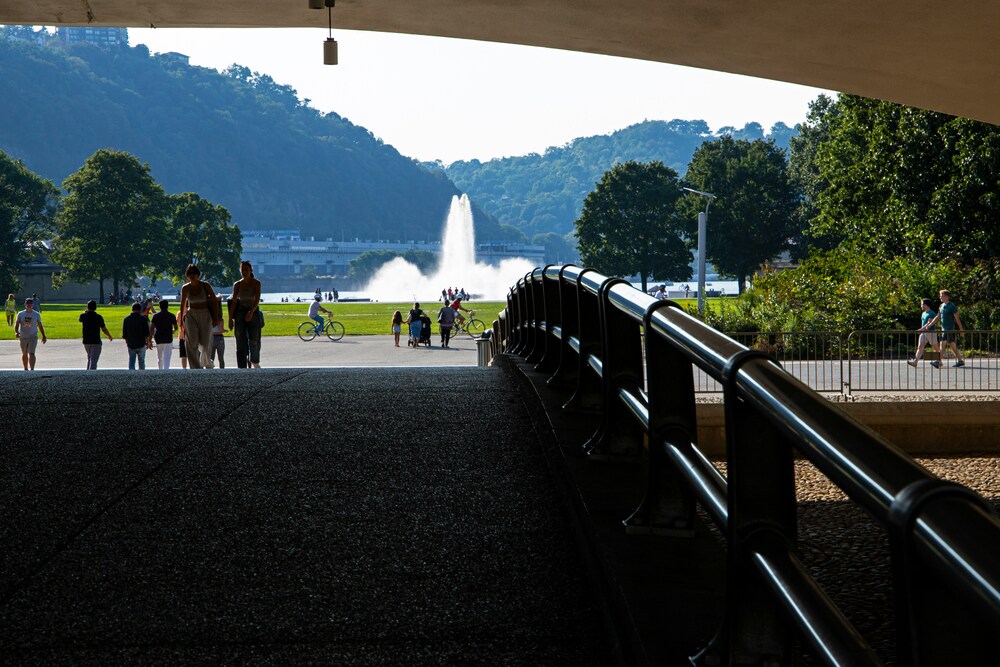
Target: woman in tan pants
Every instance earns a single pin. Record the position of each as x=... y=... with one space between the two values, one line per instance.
x=199 y=305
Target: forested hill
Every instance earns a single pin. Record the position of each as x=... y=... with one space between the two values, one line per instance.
x=236 y=138
x=545 y=193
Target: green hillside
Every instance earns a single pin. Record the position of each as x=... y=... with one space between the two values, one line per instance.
x=544 y=193
x=236 y=138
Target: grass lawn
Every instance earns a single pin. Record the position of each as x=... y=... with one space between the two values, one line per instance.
x=280 y=319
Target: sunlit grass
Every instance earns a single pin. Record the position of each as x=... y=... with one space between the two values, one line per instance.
x=280 y=319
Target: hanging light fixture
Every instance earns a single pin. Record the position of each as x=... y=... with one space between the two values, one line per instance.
x=330 y=45
x=316 y=4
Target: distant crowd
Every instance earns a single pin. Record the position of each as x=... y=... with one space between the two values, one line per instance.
x=199 y=325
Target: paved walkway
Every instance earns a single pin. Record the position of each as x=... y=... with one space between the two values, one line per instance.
x=298 y=516
x=276 y=352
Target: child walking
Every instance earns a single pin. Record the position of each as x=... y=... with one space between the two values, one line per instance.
x=397 y=325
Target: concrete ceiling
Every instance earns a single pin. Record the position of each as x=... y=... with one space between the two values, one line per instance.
x=927 y=53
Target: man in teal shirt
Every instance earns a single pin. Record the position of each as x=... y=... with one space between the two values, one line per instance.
x=950 y=324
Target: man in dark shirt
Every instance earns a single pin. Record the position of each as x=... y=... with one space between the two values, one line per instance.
x=135 y=331
x=93 y=325
x=164 y=326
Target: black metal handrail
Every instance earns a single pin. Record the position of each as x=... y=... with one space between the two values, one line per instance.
x=633 y=358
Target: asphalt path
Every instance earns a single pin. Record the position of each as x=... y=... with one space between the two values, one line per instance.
x=276 y=352
x=300 y=516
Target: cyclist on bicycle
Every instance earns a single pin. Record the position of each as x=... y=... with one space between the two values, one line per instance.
x=315 y=308
x=456 y=305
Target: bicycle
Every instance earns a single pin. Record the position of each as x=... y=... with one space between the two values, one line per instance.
x=309 y=330
x=472 y=326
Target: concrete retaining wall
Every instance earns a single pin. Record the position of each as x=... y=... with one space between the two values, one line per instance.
x=917 y=427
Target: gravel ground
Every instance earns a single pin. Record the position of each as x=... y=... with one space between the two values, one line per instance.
x=848 y=552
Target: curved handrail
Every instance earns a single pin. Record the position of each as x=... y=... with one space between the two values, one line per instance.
x=770 y=412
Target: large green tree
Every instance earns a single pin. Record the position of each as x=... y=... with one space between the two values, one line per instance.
x=27 y=208
x=112 y=221
x=899 y=181
x=804 y=171
x=630 y=224
x=199 y=231
x=752 y=220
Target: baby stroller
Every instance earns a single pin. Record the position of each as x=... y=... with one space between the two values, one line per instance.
x=425 y=330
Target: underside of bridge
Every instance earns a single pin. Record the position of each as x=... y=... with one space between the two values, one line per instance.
x=934 y=55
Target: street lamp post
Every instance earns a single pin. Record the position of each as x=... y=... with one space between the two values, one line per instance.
x=702 y=231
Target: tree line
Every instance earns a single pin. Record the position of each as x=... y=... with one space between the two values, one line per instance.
x=111 y=222
x=882 y=204
x=640 y=221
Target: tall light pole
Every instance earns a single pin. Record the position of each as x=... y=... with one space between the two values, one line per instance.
x=702 y=231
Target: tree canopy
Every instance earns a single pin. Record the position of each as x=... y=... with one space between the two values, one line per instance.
x=630 y=224
x=200 y=232
x=544 y=192
x=236 y=137
x=898 y=181
x=28 y=204
x=752 y=219
x=111 y=224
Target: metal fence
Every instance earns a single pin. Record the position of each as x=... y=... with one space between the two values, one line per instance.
x=877 y=361
x=816 y=358
x=630 y=359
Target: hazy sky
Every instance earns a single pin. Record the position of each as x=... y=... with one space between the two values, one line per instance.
x=448 y=99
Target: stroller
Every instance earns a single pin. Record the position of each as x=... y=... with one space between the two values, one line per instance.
x=425 y=331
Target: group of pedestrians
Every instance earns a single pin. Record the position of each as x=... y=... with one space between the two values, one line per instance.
x=951 y=328
x=198 y=325
x=419 y=323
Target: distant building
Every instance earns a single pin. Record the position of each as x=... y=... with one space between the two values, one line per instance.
x=176 y=57
x=107 y=37
x=283 y=253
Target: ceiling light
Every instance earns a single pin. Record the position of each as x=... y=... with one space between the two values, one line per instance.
x=330 y=45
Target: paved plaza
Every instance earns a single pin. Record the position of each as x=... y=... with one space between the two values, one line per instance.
x=276 y=352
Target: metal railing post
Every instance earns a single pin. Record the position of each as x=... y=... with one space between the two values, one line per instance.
x=587 y=395
x=621 y=353
x=521 y=333
x=568 y=368
x=549 y=359
x=536 y=344
x=762 y=515
x=668 y=504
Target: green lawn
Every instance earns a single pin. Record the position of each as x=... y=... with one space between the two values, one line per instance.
x=281 y=319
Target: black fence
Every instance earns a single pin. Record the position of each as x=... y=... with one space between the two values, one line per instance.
x=635 y=359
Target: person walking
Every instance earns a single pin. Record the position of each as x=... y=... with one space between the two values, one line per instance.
x=413 y=322
x=11 y=309
x=951 y=328
x=219 y=341
x=27 y=326
x=164 y=326
x=245 y=319
x=446 y=320
x=135 y=331
x=199 y=306
x=397 y=326
x=93 y=324
x=927 y=335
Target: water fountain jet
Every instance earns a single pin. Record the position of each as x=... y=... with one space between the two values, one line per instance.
x=399 y=280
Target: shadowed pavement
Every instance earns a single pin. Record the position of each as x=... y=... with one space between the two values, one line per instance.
x=306 y=516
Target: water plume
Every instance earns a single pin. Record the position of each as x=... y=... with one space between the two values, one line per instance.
x=399 y=280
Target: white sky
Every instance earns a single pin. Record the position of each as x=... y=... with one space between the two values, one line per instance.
x=449 y=99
